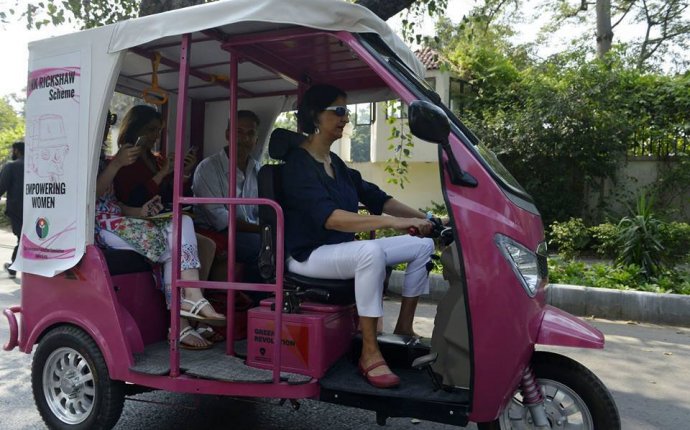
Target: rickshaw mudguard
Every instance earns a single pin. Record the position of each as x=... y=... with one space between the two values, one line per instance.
x=559 y=328
x=82 y=297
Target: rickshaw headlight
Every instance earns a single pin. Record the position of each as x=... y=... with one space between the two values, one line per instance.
x=523 y=262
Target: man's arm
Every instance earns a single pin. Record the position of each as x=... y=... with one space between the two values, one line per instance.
x=5 y=179
x=207 y=185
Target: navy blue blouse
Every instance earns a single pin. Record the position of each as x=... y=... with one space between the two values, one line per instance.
x=310 y=196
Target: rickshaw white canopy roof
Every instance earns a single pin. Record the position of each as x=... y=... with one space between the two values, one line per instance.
x=70 y=110
x=252 y=16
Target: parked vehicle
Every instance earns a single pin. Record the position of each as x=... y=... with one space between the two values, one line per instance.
x=97 y=324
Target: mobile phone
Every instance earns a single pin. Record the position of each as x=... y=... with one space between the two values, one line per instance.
x=140 y=141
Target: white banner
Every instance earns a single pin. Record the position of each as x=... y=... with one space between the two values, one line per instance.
x=56 y=122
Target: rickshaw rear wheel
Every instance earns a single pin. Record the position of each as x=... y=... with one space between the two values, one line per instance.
x=573 y=394
x=71 y=385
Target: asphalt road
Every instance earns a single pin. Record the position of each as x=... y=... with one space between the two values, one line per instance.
x=646 y=367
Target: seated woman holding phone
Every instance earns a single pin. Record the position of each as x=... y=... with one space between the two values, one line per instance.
x=128 y=225
x=150 y=174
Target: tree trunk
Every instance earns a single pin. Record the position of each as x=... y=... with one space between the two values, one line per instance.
x=604 y=30
x=384 y=9
x=150 y=7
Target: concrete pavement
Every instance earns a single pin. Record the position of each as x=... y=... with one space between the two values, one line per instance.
x=640 y=306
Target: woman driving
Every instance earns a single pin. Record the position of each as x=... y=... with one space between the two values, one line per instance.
x=321 y=199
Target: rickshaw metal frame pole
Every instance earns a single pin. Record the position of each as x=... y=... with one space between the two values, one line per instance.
x=232 y=210
x=185 y=53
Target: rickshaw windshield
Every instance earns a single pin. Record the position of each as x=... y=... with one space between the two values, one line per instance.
x=488 y=158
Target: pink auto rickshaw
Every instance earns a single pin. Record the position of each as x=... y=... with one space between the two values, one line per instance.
x=96 y=322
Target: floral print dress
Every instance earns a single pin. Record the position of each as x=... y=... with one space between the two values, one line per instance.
x=145 y=236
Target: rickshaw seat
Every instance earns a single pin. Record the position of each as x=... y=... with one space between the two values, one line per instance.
x=330 y=291
x=122 y=261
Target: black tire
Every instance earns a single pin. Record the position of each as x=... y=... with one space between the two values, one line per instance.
x=71 y=384
x=552 y=369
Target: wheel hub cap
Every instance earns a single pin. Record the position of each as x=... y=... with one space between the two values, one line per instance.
x=564 y=409
x=68 y=385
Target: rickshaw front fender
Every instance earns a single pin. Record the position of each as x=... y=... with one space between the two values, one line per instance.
x=559 y=328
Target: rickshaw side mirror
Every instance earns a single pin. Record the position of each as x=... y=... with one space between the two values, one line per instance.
x=428 y=122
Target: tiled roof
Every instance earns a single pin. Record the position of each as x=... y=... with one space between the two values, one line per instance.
x=429 y=58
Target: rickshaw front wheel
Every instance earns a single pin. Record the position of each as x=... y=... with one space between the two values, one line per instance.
x=574 y=398
x=71 y=385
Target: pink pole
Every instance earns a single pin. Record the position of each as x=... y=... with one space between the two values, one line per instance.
x=185 y=52
x=232 y=188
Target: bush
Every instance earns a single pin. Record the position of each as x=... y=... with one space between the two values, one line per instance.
x=675 y=237
x=604 y=237
x=639 y=239
x=618 y=277
x=570 y=238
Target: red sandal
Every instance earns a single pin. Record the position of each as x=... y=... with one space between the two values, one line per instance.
x=387 y=380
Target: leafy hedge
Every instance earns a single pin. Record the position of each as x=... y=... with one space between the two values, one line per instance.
x=573 y=238
x=618 y=277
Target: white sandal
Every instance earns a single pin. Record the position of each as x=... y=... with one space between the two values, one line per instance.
x=193 y=314
x=189 y=331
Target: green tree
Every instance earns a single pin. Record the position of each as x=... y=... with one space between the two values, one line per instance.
x=11 y=127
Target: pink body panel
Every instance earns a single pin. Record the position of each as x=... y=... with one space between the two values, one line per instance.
x=504 y=319
x=84 y=297
x=121 y=322
x=559 y=328
x=311 y=341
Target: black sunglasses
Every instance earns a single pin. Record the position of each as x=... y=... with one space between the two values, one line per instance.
x=339 y=110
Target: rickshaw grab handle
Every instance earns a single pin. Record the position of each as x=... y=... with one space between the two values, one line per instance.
x=14 y=327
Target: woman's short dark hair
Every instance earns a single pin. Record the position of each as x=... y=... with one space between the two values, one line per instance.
x=315 y=100
x=136 y=119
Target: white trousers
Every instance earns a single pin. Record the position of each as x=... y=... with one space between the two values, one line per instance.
x=366 y=261
x=189 y=252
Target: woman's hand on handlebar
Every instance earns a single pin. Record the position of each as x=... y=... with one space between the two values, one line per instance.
x=414 y=226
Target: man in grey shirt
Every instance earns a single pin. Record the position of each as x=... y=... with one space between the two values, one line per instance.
x=211 y=180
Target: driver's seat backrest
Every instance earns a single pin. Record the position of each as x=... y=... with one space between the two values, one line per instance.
x=334 y=291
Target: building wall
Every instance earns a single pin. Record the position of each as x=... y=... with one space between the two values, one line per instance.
x=634 y=177
x=424 y=187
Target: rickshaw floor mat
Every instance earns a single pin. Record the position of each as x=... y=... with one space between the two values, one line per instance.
x=211 y=364
x=344 y=376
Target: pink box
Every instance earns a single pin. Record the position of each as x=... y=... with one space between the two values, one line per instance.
x=311 y=340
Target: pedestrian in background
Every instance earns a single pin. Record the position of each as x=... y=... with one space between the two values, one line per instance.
x=12 y=183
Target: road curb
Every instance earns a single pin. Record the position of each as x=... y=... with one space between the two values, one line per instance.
x=641 y=306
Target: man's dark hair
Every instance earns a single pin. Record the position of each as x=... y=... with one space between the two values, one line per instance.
x=249 y=115
x=19 y=146
x=246 y=114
